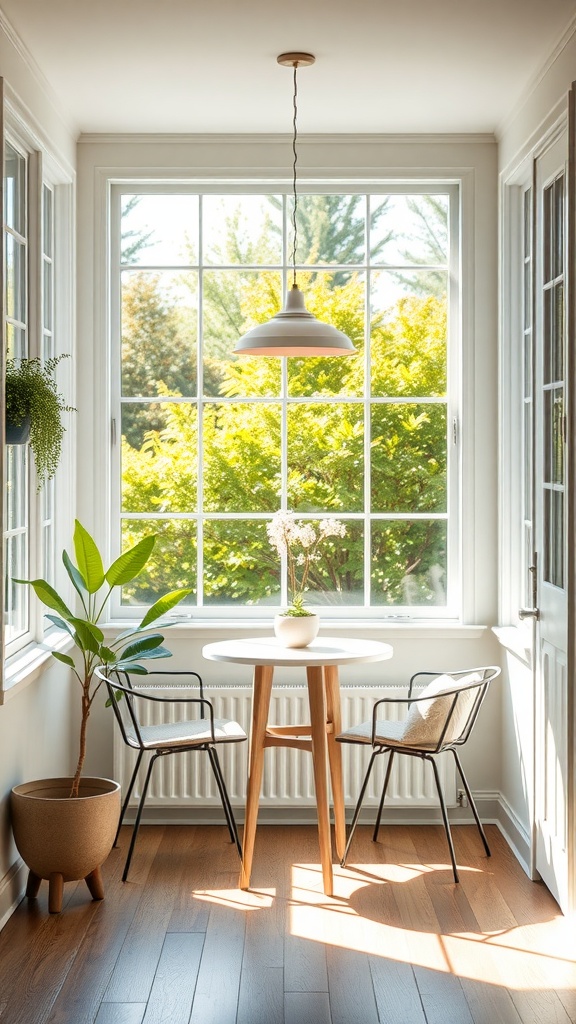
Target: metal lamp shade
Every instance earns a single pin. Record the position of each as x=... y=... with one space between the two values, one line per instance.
x=294 y=332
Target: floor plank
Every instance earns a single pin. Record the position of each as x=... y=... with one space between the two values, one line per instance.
x=218 y=985
x=87 y=980
x=121 y=1013
x=398 y=943
x=397 y=996
x=442 y=997
x=352 y=999
x=134 y=971
x=307 y=1008
x=305 y=967
x=175 y=981
x=261 y=994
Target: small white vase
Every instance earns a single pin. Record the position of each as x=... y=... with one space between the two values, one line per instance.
x=296 y=630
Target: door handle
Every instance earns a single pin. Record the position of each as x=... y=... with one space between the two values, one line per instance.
x=528 y=613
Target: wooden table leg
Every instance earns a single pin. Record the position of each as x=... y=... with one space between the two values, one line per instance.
x=260 y=703
x=334 y=719
x=317 y=699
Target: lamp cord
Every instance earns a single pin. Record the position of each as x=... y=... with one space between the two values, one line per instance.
x=294 y=137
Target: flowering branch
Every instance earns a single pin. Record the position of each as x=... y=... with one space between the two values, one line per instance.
x=300 y=541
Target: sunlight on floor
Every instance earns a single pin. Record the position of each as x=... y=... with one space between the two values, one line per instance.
x=499 y=955
x=238 y=899
x=370 y=901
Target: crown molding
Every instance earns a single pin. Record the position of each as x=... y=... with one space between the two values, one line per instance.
x=212 y=139
x=537 y=79
x=38 y=75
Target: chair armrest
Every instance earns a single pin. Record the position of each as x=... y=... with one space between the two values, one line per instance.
x=156 y=673
x=415 y=700
x=202 y=701
x=133 y=692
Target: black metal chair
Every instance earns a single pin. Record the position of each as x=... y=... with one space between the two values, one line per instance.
x=440 y=719
x=202 y=733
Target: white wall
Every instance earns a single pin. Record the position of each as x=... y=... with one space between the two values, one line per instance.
x=35 y=724
x=36 y=741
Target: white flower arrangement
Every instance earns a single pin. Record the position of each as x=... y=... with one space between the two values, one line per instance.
x=300 y=541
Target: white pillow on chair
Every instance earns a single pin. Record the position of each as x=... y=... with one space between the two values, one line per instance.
x=426 y=718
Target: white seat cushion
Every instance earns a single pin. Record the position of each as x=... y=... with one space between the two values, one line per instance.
x=426 y=717
x=186 y=734
x=387 y=733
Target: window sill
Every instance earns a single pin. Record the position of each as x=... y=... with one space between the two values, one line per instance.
x=515 y=641
x=28 y=664
x=415 y=630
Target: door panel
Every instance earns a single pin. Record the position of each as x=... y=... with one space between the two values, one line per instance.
x=550 y=520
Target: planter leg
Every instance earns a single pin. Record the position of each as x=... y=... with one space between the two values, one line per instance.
x=95 y=885
x=55 y=892
x=33 y=885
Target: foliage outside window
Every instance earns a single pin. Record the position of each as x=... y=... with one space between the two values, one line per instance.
x=213 y=445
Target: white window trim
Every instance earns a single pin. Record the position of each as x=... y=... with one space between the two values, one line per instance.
x=426 y=184
x=367 y=160
x=513 y=633
x=24 y=660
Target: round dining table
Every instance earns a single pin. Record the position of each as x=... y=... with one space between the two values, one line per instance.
x=321 y=659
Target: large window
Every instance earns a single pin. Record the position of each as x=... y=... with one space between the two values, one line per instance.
x=209 y=445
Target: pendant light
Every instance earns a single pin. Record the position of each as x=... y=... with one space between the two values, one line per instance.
x=294 y=331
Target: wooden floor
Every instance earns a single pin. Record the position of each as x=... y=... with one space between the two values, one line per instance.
x=399 y=943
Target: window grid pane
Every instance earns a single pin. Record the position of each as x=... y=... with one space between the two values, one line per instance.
x=17 y=525
x=527 y=390
x=553 y=384
x=47 y=539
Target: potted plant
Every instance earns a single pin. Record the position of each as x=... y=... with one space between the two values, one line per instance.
x=65 y=828
x=300 y=542
x=34 y=410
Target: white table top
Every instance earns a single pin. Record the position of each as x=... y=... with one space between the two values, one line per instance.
x=325 y=650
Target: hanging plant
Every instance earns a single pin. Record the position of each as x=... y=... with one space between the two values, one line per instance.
x=32 y=394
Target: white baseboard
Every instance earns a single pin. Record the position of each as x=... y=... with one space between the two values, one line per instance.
x=516 y=835
x=12 y=888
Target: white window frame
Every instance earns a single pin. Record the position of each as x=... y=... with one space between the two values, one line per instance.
x=26 y=654
x=454 y=610
x=21 y=479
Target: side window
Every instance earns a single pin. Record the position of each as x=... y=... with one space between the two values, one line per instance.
x=29 y=305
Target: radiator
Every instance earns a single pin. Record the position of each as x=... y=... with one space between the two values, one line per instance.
x=186 y=780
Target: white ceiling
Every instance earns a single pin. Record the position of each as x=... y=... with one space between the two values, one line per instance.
x=210 y=66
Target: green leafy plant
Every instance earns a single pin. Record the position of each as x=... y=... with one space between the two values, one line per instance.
x=31 y=391
x=94 y=585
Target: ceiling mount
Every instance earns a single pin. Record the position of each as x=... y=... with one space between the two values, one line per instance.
x=296 y=60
